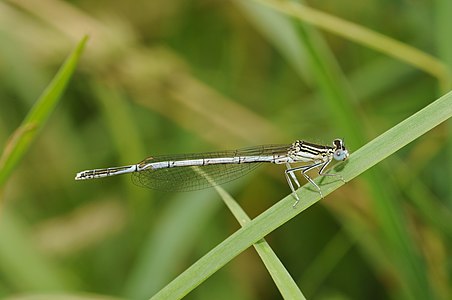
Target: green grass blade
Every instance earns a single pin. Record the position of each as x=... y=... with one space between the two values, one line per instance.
x=282 y=33
x=364 y=36
x=285 y=283
x=24 y=135
x=380 y=148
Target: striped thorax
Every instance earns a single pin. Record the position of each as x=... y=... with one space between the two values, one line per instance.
x=302 y=151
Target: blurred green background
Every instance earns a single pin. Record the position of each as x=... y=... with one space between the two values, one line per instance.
x=161 y=77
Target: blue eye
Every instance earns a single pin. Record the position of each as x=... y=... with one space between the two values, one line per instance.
x=340 y=154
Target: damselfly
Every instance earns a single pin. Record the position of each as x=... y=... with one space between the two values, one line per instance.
x=187 y=172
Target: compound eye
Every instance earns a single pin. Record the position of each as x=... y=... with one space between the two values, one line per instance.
x=340 y=154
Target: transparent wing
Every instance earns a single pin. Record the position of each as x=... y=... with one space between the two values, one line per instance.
x=191 y=178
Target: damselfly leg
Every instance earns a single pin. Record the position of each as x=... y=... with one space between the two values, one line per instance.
x=290 y=176
x=303 y=169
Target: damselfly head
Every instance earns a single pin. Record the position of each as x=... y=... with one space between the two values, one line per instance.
x=340 y=152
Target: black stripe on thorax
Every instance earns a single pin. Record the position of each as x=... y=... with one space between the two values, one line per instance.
x=313 y=148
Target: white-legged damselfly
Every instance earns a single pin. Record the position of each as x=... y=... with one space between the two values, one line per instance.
x=187 y=172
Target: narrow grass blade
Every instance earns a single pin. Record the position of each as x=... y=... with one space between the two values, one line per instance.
x=281 y=31
x=24 y=135
x=285 y=283
x=364 y=36
x=381 y=147
x=282 y=278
